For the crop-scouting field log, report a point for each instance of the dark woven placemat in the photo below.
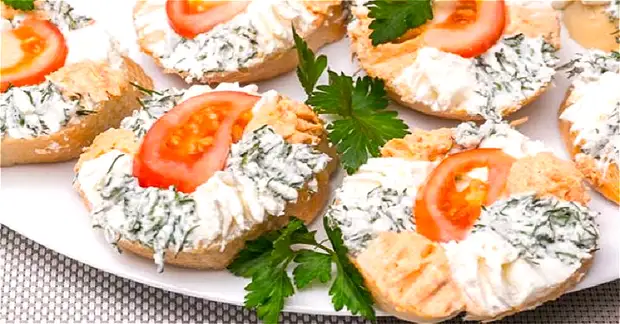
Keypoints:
(39, 285)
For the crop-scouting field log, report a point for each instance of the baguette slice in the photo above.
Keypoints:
(214, 256)
(113, 102)
(607, 183)
(331, 29)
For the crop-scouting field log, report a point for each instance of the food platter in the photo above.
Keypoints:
(38, 201)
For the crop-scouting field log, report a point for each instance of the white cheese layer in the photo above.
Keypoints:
(594, 108)
(379, 197)
(497, 135)
(507, 74)
(262, 29)
(31, 111)
(520, 250)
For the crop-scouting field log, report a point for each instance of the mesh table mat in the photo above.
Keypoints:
(40, 285)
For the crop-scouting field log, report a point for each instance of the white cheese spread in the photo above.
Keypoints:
(262, 175)
(594, 107)
(27, 112)
(379, 197)
(510, 72)
(497, 135)
(520, 249)
(262, 29)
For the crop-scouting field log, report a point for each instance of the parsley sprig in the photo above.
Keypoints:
(362, 124)
(393, 18)
(267, 259)
(25, 5)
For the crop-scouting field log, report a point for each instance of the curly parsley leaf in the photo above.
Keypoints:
(312, 266)
(348, 288)
(365, 125)
(25, 5)
(362, 124)
(393, 18)
(266, 260)
(268, 290)
(310, 67)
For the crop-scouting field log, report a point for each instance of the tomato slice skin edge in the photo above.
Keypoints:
(156, 165)
(51, 59)
(474, 39)
(189, 25)
(430, 219)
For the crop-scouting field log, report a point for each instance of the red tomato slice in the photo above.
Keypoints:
(191, 142)
(30, 52)
(442, 212)
(189, 18)
(470, 29)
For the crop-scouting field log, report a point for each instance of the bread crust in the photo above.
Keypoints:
(215, 256)
(69, 142)
(608, 184)
(332, 29)
(386, 61)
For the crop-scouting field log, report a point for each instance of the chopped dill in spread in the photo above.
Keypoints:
(543, 227)
(592, 64)
(227, 47)
(515, 69)
(382, 209)
(62, 15)
(154, 105)
(36, 110)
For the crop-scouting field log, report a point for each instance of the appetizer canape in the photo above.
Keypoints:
(460, 59)
(195, 173)
(233, 41)
(592, 23)
(590, 119)
(63, 81)
(475, 219)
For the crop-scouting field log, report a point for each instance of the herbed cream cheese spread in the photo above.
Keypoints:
(510, 72)
(262, 29)
(262, 175)
(520, 249)
(379, 197)
(594, 106)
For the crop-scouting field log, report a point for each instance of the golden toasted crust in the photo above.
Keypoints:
(546, 174)
(410, 277)
(420, 145)
(608, 183)
(69, 142)
(332, 28)
(387, 61)
(308, 206)
(475, 313)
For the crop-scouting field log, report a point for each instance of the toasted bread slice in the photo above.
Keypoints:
(114, 98)
(331, 27)
(306, 129)
(387, 61)
(607, 183)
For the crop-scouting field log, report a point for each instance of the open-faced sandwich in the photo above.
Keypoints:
(590, 119)
(461, 59)
(233, 41)
(195, 173)
(63, 81)
(592, 23)
(473, 219)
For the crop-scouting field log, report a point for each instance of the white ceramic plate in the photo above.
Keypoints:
(39, 202)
